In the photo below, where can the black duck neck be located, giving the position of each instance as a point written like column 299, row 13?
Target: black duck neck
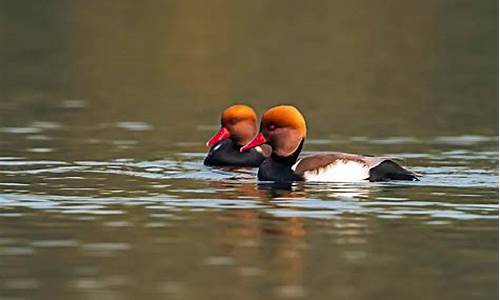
column 290, row 159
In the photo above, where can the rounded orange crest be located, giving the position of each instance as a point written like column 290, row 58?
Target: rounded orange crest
column 284, row 116
column 238, row 112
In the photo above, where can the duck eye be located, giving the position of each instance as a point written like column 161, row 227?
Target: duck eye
column 233, row 121
column 271, row 127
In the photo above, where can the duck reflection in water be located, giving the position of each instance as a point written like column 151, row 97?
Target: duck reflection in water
column 259, row 243
column 259, row 240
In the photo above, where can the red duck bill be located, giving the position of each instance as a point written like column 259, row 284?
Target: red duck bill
column 221, row 135
column 257, row 141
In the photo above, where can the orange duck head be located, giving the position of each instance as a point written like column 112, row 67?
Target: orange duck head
column 282, row 127
column 239, row 123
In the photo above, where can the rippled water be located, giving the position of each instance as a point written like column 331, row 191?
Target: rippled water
column 169, row 226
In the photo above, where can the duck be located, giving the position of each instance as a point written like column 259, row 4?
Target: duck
column 238, row 127
column 284, row 129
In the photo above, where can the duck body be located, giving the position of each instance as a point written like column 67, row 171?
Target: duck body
column 332, row 167
column 283, row 128
column 227, row 153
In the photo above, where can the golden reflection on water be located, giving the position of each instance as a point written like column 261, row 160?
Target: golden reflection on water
column 283, row 261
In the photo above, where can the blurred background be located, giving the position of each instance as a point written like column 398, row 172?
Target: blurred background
column 378, row 68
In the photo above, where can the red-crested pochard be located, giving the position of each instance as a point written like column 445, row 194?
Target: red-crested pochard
column 238, row 127
column 284, row 129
